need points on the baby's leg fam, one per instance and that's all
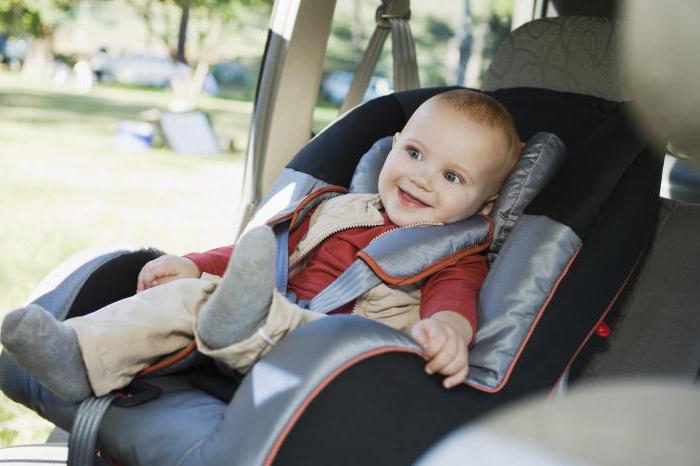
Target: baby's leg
(242, 299)
(245, 316)
(112, 344)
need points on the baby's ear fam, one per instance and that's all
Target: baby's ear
(394, 139)
(488, 205)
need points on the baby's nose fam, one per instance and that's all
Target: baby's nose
(422, 181)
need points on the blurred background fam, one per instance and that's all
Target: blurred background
(125, 121)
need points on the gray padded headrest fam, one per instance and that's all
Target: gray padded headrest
(366, 176)
(539, 160)
(568, 53)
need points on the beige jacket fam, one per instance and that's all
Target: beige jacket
(395, 306)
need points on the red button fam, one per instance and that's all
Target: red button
(603, 330)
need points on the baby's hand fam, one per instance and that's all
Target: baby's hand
(165, 269)
(444, 338)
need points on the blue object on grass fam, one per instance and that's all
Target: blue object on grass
(134, 135)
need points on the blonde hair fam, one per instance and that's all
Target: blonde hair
(487, 111)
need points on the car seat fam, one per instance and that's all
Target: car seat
(351, 391)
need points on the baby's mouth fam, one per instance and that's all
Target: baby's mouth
(409, 200)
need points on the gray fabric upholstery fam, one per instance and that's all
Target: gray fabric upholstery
(402, 254)
(366, 176)
(63, 284)
(408, 251)
(638, 422)
(659, 320)
(288, 187)
(269, 397)
(540, 159)
(518, 284)
(355, 280)
(569, 53)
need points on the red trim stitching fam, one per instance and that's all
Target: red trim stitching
(305, 202)
(605, 314)
(310, 198)
(442, 263)
(533, 325)
(169, 361)
(290, 424)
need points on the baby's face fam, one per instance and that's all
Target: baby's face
(442, 168)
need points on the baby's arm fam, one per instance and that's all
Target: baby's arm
(165, 269)
(169, 267)
(449, 301)
(445, 337)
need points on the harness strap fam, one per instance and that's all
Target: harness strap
(404, 256)
(356, 280)
(364, 70)
(282, 236)
(403, 49)
(86, 425)
(83, 436)
(391, 15)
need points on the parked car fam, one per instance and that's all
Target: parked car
(336, 85)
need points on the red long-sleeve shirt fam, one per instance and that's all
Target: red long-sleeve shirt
(454, 288)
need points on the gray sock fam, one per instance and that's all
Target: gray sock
(48, 349)
(239, 305)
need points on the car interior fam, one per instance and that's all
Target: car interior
(593, 279)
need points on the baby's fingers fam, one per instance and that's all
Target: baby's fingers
(443, 358)
(456, 379)
(145, 278)
(437, 338)
(148, 276)
(420, 333)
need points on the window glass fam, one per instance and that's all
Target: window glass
(455, 43)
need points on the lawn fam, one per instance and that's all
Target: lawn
(65, 187)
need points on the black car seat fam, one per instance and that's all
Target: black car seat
(351, 391)
(654, 326)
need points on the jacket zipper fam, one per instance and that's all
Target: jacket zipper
(417, 224)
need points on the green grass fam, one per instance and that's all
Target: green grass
(65, 187)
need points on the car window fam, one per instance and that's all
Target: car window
(455, 42)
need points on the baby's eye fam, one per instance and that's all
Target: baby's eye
(452, 177)
(414, 153)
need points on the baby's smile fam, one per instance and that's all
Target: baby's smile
(408, 200)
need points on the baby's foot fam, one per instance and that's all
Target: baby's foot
(48, 349)
(240, 304)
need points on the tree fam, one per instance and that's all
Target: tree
(481, 20)
(38, 19)
(159, 17)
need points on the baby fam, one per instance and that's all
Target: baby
(448, 163)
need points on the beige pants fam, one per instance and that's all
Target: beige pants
(120, 340)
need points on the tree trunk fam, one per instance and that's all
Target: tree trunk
(182, 33)
(39, 62)
(356, 31)
(465, 44)
(473, 70)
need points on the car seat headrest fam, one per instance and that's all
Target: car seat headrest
(539, 160)
(568, 53)
(365, 179)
